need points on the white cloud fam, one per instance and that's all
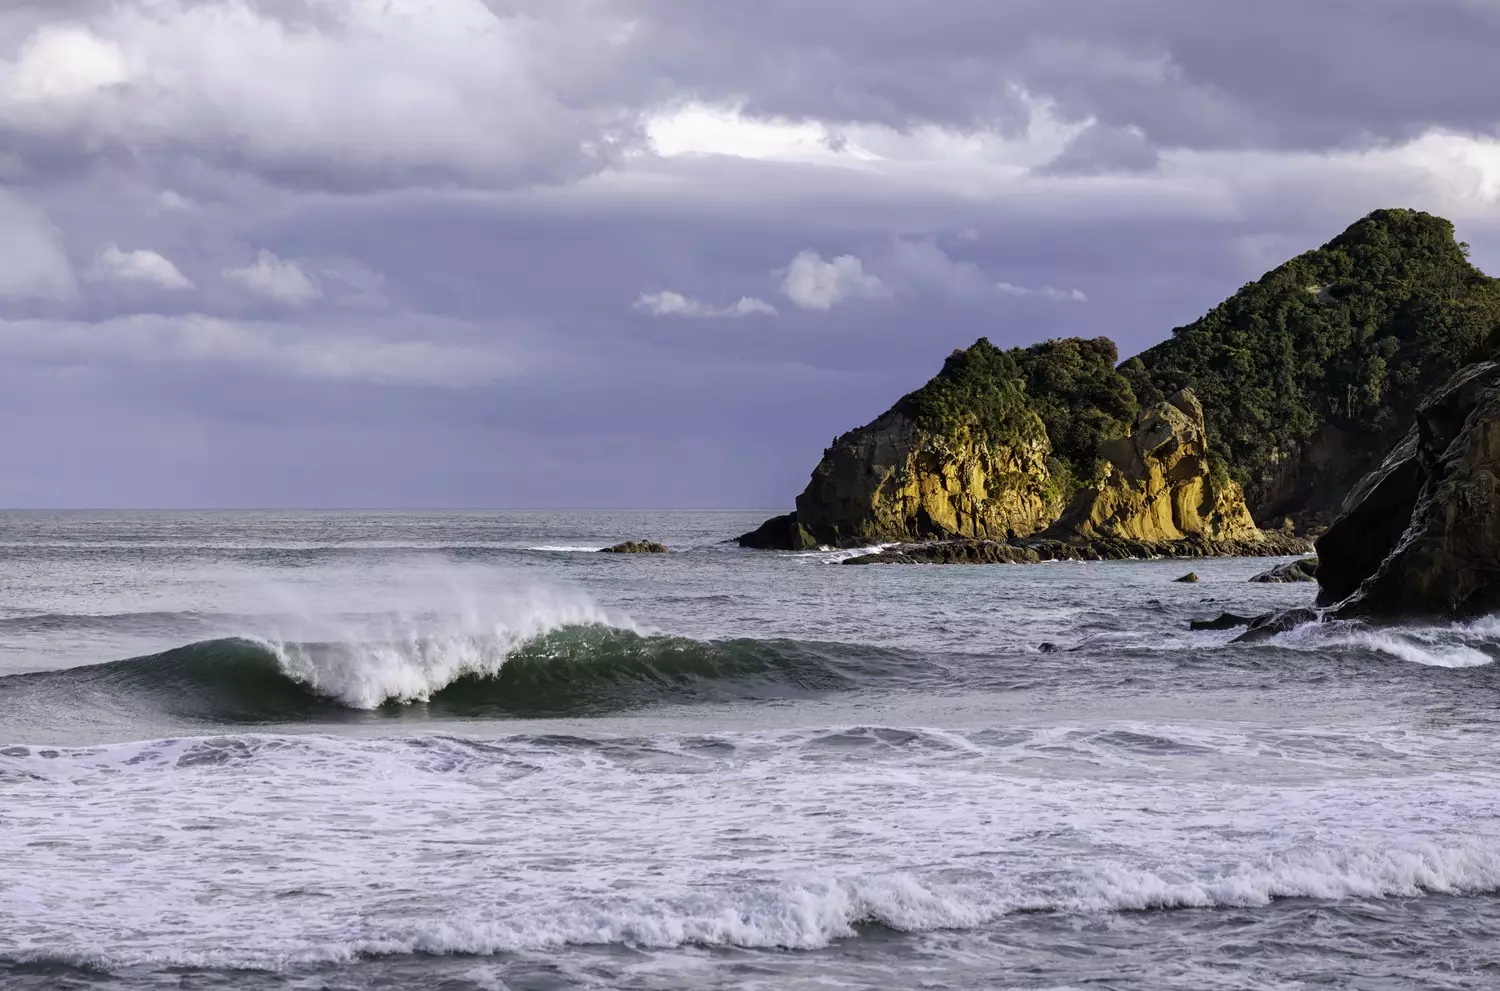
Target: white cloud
(1045, 292)
(704, 130)
(814, 283)
(359, 92)
(33, 264)
(139, 266)
(63, 65)
(673, 304)
(283, 281)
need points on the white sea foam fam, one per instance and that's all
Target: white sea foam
(274, 851)
(406, 661)
(1457, 645)
(830, 555)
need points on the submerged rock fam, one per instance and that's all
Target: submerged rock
(1420, 536)
(636, 547)
(1226, 621)
(1265, 627)
(1191, 578)
(1305, 570)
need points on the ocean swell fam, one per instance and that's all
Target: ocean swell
(572, 670)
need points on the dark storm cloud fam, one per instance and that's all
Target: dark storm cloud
(330, 96)
(410, 239)
(1101, 149)
(1275, 73)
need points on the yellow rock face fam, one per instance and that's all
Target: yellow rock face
(1156, 483)
(891, 481)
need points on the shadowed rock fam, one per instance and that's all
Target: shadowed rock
(1191, 578)
(1420, 536)
(1305, 570)
(1266, 627)
(781, 533)
(1030, 550)
(1226, 621)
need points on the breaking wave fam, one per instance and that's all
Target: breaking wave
(815, 913)
(567, 671)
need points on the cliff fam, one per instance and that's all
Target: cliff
(1420, 537)
(1310, 374)
(970, 454)
(1158, 484)
(1156, 494)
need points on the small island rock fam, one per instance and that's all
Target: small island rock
(636, 547)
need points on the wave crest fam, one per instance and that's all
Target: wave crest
(571, 670)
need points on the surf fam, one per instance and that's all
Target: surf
(572, 670)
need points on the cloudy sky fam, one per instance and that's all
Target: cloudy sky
(649, 253)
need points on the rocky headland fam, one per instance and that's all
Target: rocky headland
(1245, 433)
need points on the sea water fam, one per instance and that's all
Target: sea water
(466, 751)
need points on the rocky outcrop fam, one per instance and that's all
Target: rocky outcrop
(1305, 570)
(780, 533)
(1267, 626)
(637, 547)
(1157, 486)
(1420, 536)
(894, 480)
(958, 497)
(988, 449)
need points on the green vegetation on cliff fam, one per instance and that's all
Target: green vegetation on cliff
(1350, 336)
(1080, 396)
(1066, 390)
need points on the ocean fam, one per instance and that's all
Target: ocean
(463, 751)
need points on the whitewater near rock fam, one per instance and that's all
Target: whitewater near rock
(468, 751)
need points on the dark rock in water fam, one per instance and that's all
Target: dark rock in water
(953, 552)
(1305, 570)
(1421, 535)
(783, 533)
(1191, 578)
(1226, 621)
(636, 547)
(1030, 550)
(1266, 627)
(1047, 648)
